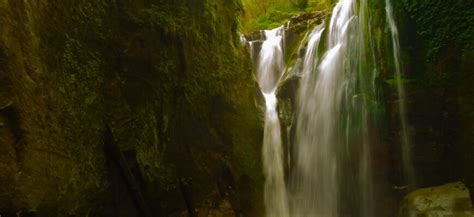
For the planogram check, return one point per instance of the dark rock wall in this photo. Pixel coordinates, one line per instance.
(437, 52)
(170, 78)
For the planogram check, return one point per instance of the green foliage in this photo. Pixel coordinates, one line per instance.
(276, 15)
(300, 3)
(268, 14)
(442, 22)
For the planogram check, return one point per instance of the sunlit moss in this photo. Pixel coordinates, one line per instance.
(269, 14)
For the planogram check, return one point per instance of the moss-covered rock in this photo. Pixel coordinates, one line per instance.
(447, 200)
(169, 77)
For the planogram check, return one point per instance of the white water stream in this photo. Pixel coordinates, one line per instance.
(331, 155)
(270, 69)
(407, 166)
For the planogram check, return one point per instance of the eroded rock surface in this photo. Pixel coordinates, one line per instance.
(170, 78)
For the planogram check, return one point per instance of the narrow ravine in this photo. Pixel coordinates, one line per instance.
(242, 108)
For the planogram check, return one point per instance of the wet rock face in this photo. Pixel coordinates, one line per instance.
(447, 200)
(172, 82)
(295, 31)
(439, 102)
(296, 25)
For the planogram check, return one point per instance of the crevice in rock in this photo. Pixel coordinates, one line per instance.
(184, 188)
(114, 153)
(13, 122)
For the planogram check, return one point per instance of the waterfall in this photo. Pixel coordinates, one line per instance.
(309, 199)
(330, 171)
(406, 153)
(269, 71)
(332, 149)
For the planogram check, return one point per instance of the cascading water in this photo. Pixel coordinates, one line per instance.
(332, 150)
(269, 71)
(331, 155)
(405, 139)
(313, 194)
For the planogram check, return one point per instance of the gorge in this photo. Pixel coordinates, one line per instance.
(210, 108)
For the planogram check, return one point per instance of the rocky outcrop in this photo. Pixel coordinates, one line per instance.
(171, 80)
(447, 200)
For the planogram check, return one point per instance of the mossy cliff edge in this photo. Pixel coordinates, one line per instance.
(170, 78)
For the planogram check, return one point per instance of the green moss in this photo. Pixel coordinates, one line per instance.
(260, 15)
(276, 15)
(393, 81)
(199, 60)
(442, 22)
(75, 104)
(153, 72)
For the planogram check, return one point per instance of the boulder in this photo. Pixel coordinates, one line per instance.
(451, 199)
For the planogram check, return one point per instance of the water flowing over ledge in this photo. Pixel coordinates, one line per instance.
(269, 71)
(329, 162)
